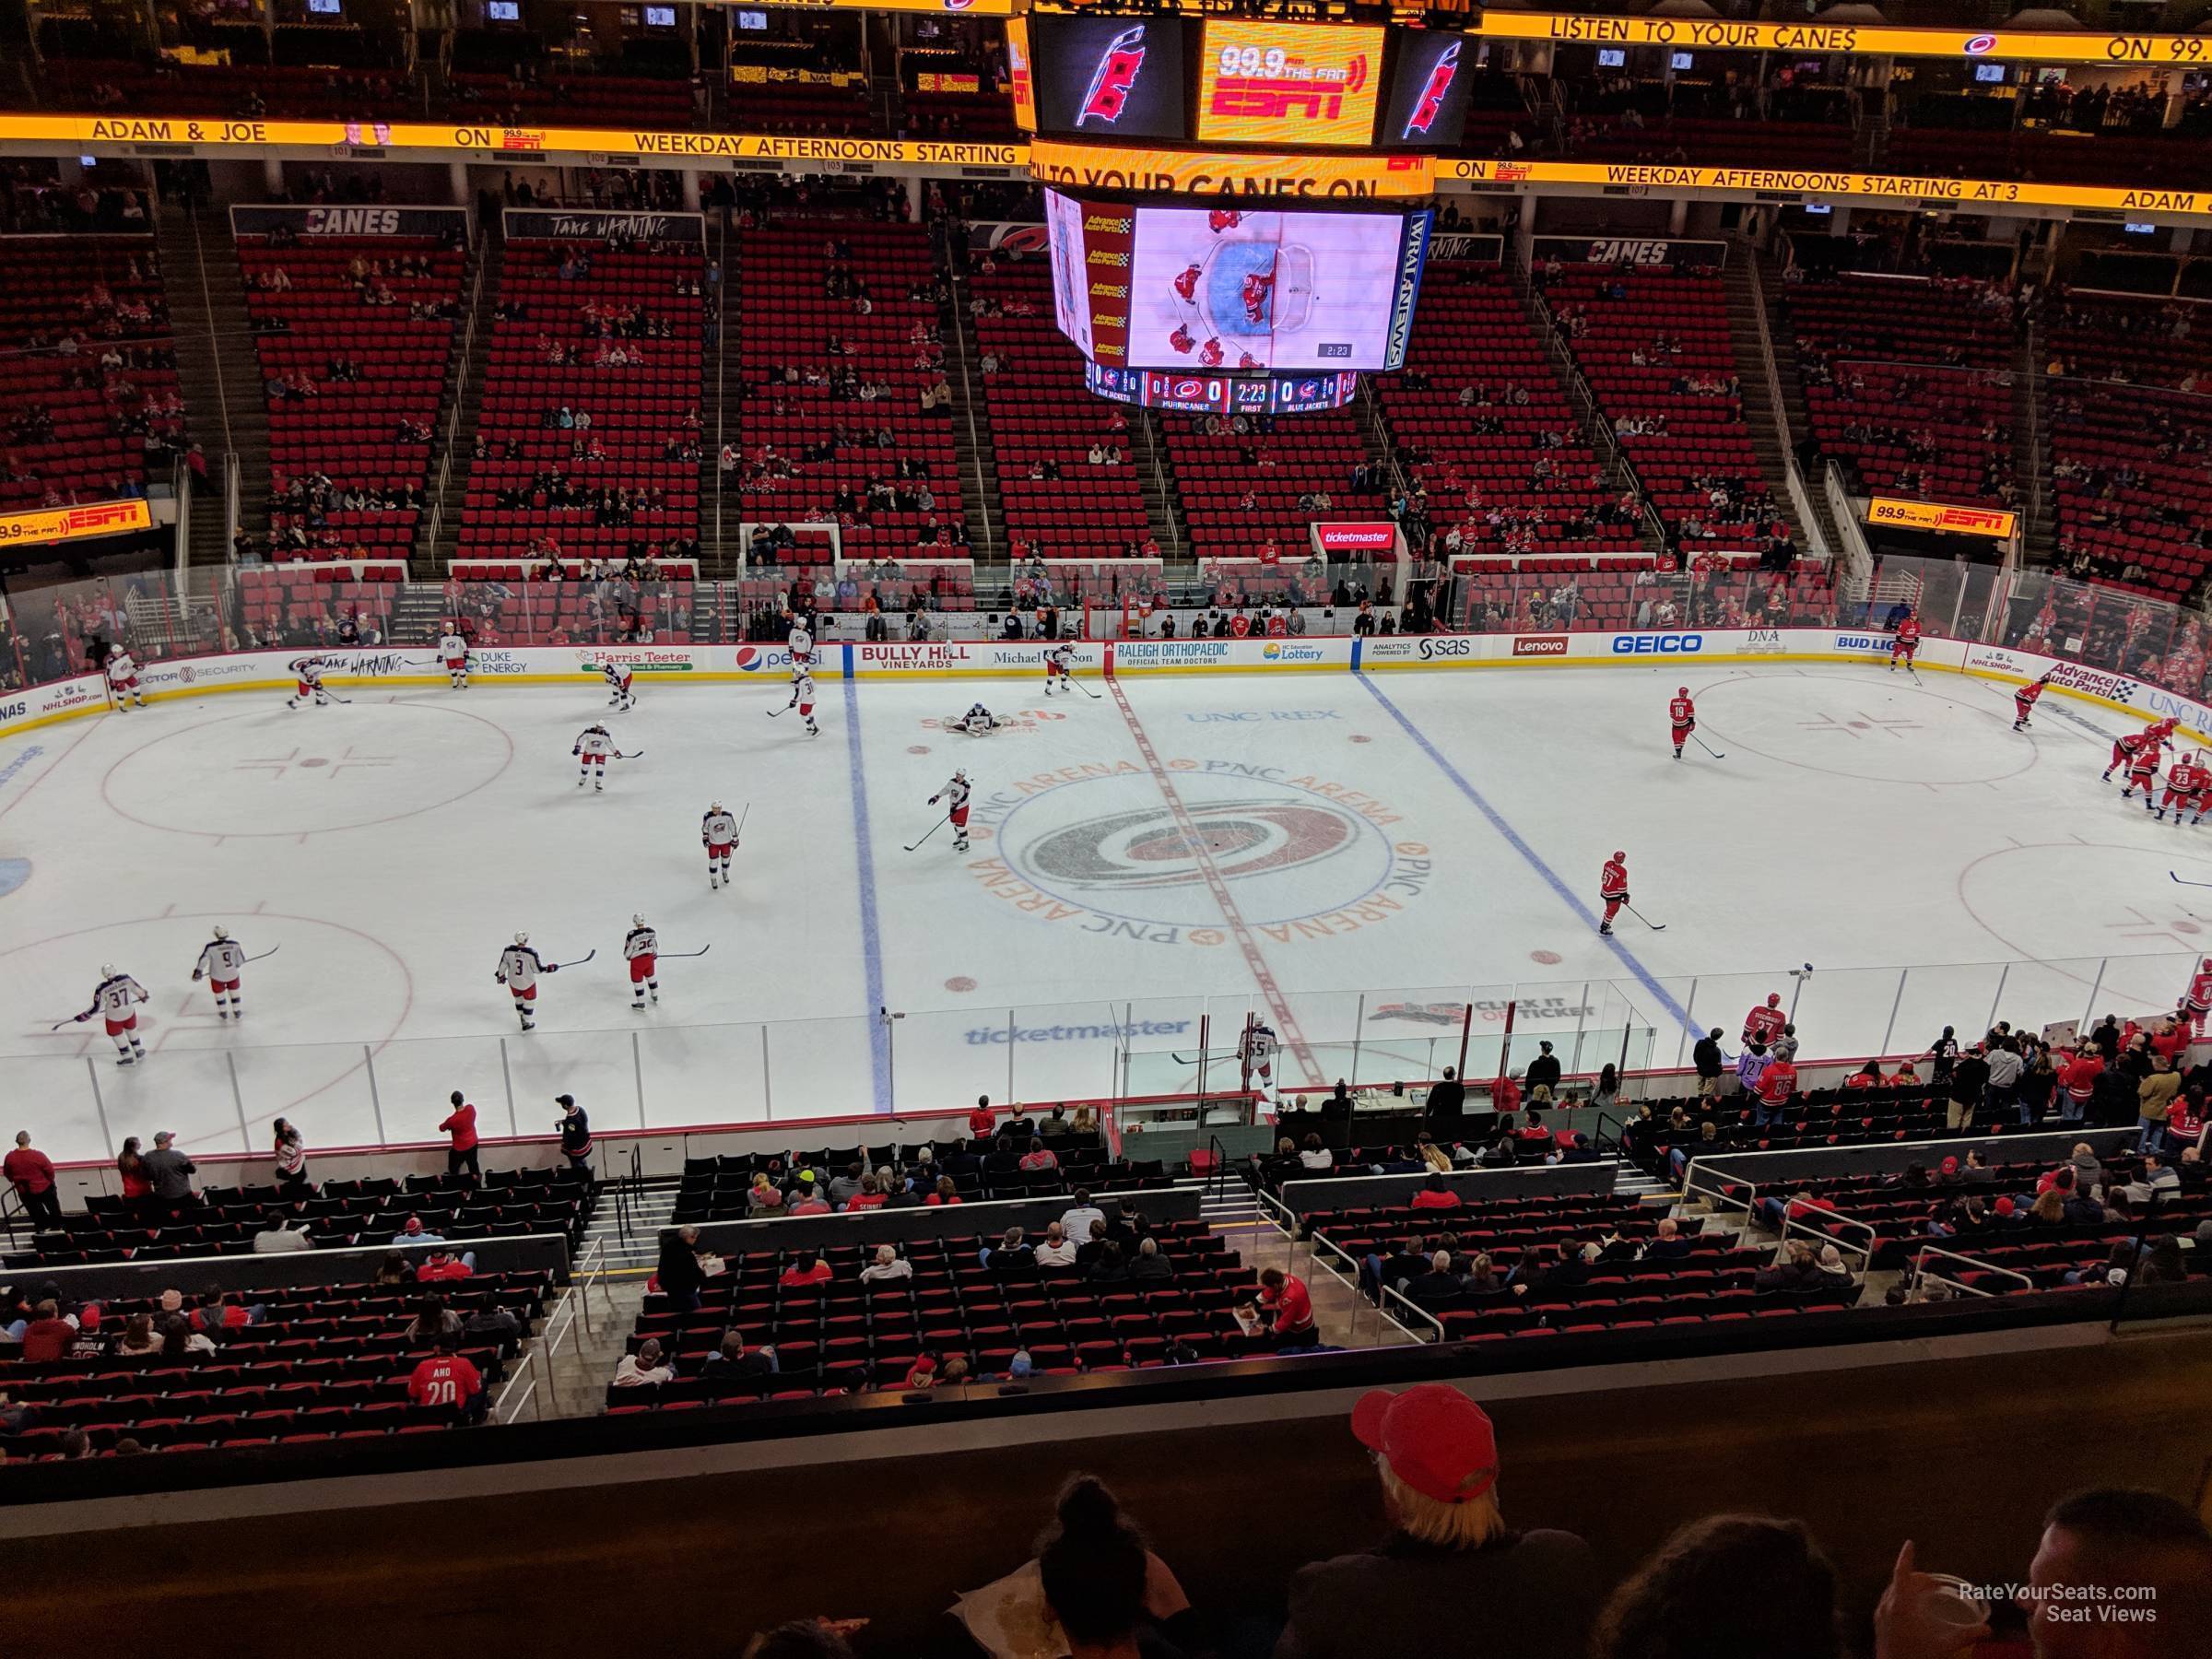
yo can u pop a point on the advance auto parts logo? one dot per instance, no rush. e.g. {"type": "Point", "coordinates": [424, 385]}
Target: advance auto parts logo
{"type": "Point", "coordinates": [1094, 846]}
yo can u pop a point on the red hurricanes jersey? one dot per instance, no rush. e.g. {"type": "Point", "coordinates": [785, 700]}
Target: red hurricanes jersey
{"type": "Point", "coordinates": [1765, 1023]}
{"type": "Point", "coordinates": [2030, 691]}
{"type": "Point", "coordinates": [2200, 988]}
{"type": "Point", "coordinates": [1681, 711]}
{"type": "Point", "coordinates": [1614, 881]}
{"type": "Point", "coordinates": [1908, 631]}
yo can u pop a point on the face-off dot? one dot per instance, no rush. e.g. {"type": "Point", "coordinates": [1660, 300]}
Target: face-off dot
{"type": "Point", "coordinates": [1548, 957]}
{"type": "Point", "coordinates": [959, 982]}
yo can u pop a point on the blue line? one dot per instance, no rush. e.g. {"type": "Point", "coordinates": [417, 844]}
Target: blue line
{"type": "Point", "coordinates": [871, 930]}
{"type": "Point", "coordinates": [1535, 861]}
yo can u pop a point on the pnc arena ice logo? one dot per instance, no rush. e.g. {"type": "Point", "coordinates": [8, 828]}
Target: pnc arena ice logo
{"type": "Point", "coordinates": [1113, 78]}
{"type": "Point", "coordinates": [1151, 848]}
{"type": "Point", "coordinates": [1658, 644]}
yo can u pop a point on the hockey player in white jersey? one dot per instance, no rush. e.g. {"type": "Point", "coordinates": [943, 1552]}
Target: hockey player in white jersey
{"type": "Point", "coordinates": [643, 946]}
{"type": "Point", "coordinates": [801, 699]}
{"type": "Point", "coordinates": [595, 748]}
{"type": "Point", "coordinates": [976, 722]}
{"type": "Point", "coordinates": [518, 970]}
{"type": "Point", "coordinates": [1256, 1048]}
{"type": "Point", "coordinates": [123, 679]}
{"type": "Point", "coordinates": [1058, 660]}
{"type": "Point", "coordinates": [802, 649]}
{"type": "Point", "coordinates": [112, 1000]}
{"type": "Point", "coordinates": [718, 834]}
{"type": "Point", "coordinates": [618, 696]}
{"type": "Point", "coordinates": [955, 796]}
{"type": "Point", "coordinates": [307, 674]}
{"type": "Point", "coordinates": [453, 650]}
{"type": "Point", "coordinates": [220, 964]}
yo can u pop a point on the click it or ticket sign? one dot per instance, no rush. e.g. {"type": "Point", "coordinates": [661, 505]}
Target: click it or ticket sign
{"type": "Point", "coordinates": [1289, 83]}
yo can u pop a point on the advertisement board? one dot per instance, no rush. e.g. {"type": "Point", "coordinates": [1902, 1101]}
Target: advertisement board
{"type": "Point", "coordinates": [1020, 81]}
{"type": "Point", "coordinates": [1628, 249]}
{"type": "Point", "coordinates": [1248, 291]}
{"type": "Point", "coordinates": [1714, 34]}
{"type": "Point", "coordinates": [1289, 83]}
{"type": "Point", "coordinates": [1991, 521]}
{"type": "Point", "coordinates": [1108, 77]}
{"type": "Point", "coordinates": [1375, 535]}
{"type": "Point", "coordinates": [587, 224]}
{"type": "Point", "coordinates": [1092, 246]}
{"type": "Point", "coordinates": [81, 522]}
{"type": "Point", "coordinates": [1240, 172]}
{"type": "Point", "coordinates": [259, 220]}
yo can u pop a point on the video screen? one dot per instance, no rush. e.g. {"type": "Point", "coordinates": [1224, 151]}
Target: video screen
{"type": "Point", "coordinates": [1019, 75]}
{"type": "Point", "coordinates": [1250, 292]}
{"type": "Point", "coordinates": [1428, 91]}
{"type": "Point", "coordinates": [1064, 236]}
{"type": "Point", "coordinates": [1109, 77]}
{"type": "Point", "coordinates": [1289, 83]}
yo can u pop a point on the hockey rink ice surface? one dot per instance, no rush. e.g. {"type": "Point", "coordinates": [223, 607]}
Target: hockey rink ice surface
{"type": "Point", "coordinates": [1357, 856]}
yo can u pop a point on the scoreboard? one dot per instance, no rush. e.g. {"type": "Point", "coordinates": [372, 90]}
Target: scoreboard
{"type": "Point", "coordinates": [1289, 83]}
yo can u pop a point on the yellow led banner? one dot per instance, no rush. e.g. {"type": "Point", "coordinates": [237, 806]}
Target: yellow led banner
{"type": "Point", "coordinates": [1107, 167]}
{"type": "Point", "coordinates": [1991, 521]}
{"type": "Point", "coordinates": [74, 523]}
{"type": "Point", "coordinates": [1018, 73]}
{"type": "Point", "coordinates": [1709, 34]}
{"type": "Point", "coordinates": [1820, 184]}
{"type": "Point", "coordinates": [1289, 83]}
{"type": "Point", "coordinates": [971, 8]}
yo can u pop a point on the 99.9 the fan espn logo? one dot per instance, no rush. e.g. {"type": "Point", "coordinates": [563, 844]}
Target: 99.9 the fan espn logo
{"type": "Point", "coordinates": [1294, 88]}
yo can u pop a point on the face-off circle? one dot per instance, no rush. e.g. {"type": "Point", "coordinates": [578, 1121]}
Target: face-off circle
{"type": "Point", "coordinates": [1289, 851]}
{"type": "Point", "coordinates": [1878, 727]}
{"type": "Point", "coordinates": [259, 774]}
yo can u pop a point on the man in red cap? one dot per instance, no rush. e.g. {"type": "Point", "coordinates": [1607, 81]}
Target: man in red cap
{"type": "Point", "coordinates": [1451, 1581]}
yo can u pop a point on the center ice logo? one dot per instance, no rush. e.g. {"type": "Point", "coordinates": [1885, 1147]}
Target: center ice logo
{"type": "Point", "coordinates": [1293, 855]}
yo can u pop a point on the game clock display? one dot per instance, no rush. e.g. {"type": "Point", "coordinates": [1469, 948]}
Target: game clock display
{"type": "Point", "coordinates": [1223, 393]}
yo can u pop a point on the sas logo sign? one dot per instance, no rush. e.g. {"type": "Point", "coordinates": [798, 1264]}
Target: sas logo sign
{"type": "Point", "coordinates": [1659, 644]}
{"type": "Point", "coordinates": [1444, 648]}
{"type": "Point", "coordinates": [1542, 645]}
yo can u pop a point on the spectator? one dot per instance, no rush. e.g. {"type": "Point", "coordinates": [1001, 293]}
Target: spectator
{"type": "Point", "coordinates": [1711, 1064]}
{"type": "Point", "coordinates": [460, 1123]}
{"type": "Point", "coordinates": [50, 1334]}
{"type": "Point", "coordinates": [179, 1341]}
{"type": "Point", "coordinates": [922, 1375]}
{"type": "Point", "coordinates": [733, 1363]}
{"type": "Point", "coordinates": [2001, 1092]}
{"type": "Point", "coordinates": [764, 1197]}
{"type": "Point", "coordinates": [1057, 1249]}
{"type": "Point", "coordinates": [1542, 1075]}
{"type": "Point", "coordinates": [1284, 1294]}
{"type": "Point", "coordinates": [1009, 1254]}
{"type": "Point", "coordinates": [2154, 1101]}
{"type": "Point", "coordinates": [575, 1126]}
{"type": "Point", "coordinates": [1076, 1219]}
{"type": "Point", "coordinates": [1669, 1245]}
{"type": "Point", "coordinates": [30, 1173]}
{"type": "Point", "coordinates": [1744, 1586]}
{"type": "Point", "coordinates": [138, 1186]}
{"type": "Point", "coordinates": [171, 1172]}
{"type": "Point", "coordinates": [1434, 1194]}
{"type": "Point", "coordinates": [449, 1382]}
{"type": "Point", "coordinates": [1432, 1290]}
{"type": "Point", "coordinates": [644, 1369]}
{"type": "Point", "coordinates": [983, 1120]}
{"type": "Point", "coordinates": [289, 1150]}
{"type": "Point", "coordinates": [679, 1271]}
{"type": "Point", "coordinates": [800, 1274]}
{"type": "Point", "coordinates": [443, 1264]}
{"type": "Point", "coordinates": [1040, 1159]}
{"type": "Point", "coordinates": [870, 1196]}
{"type": "Point", "coordinates": [432, 1319]}
{"type": "Point", "coordinates": [1148, 1264]}
{"type": "Point", "coordinates": [137, 1340]}
{"type": "Point", "coordinates": [1102, 1583]}
{"type": "Point", "coordinates": [887, 1267]}
{"type": "Point", "coordinates": [805, 1200]}
{"type": "Point", "coordinates": [1776, 1084]}
{"type": "Point", "coordinates": [844, 1188]}
{"type": "Point", "coordinates": [1313, 1155]}
{"type": "Point", "coordinates": [1110, 1266]}
{"type": "Point", "coordinates": [1446, 1106]}
{"type": "Point", "coordinates": [945, 1193]}
{"type": "Point", "coordinates": [1798, 1273]}
{"type": "Point", "coordinates": [415, 1232]}
{"type": "Point", "coordinates": [1451, 1581]}
{"type": "Point", "coordinates": [2116, 1546]}
{"type": "Point", "coordinates": [277, 1233]}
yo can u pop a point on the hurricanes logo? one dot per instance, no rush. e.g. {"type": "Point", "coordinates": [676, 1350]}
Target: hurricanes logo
{"type": "Point", "coordinates": [1151, 849]}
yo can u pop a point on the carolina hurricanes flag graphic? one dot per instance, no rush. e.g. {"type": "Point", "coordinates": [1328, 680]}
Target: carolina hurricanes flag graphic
{"type": "Point", "coordinates": [1115, 79]}
{"type": "Point", "coordinates": [1430, 103]}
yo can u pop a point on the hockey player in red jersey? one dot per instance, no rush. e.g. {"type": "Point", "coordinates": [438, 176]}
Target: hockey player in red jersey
{"type": "Point", "coordinates": [1223, 219]}
{"type": "Point", "coordinates": [2185, 790]}
{"type": "Point", "coordinates": [2196, 1002]}
{"type": "Point", "coordinates": [1613, 888]}
{"type": "Point", "coordinates": [1210, 354]}
{"type": "Point", "coordinates": [1905, 642]}
{"type": "Point", "coordinates": [2128, 745]}
{"type": "Point", "coordinates": [1181, 339]}
{"type": "Point", "coordinates": [2023, 702]}
{"type": "Point", "coordinates": [2143, 770]}
{"type": "Point", "coordinates": [1187, 284]}
{"type": "Point", "coordinates": [1258, 288]}
{"type": "Point", "coordinates": [1764, 1023]}
{"type": "Point", "coordinates": [1682, 714]}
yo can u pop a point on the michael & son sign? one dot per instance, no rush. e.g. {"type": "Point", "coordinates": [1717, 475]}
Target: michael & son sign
{"type": "Point", "coordinates": [730, 666]}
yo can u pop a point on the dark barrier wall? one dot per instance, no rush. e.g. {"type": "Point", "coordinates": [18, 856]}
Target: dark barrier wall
{"type": "Point", "coordinates": [1234, 1505]}
{"type": "Point", "coordinates": [1380, 1192]}
{"type": "Point", "coordinates": [1889, 1158]}
{"type": "Point", "coordinates": [871, 1228]}
{"type": "Point", "coordinates": [276, 1271]}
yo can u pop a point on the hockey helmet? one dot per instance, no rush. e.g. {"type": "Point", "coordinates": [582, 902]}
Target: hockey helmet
{"type": "Point", "coordinates": [637, 920]}
{"type": "Point", "coordinates": [714, 805]}
{"type": "Point", "coordinates": [522, 938]}
{"type": "Point", "coordinates": [107, 970]}
{"type": "Point", "coordinates": [1619, 855]}
{"type": "Point", "coordinates": [221, 932]}
{"type": "Point", "coordinates": [960, 777]}
{"type": "Point", "coordinates": [1681, 690]}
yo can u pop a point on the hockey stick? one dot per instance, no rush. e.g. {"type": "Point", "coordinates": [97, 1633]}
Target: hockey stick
{"type": "Point", "coordinates": [264, 955]}
{"type": "Point", "coordinates": [1087, 691]}
{"type": "Point", "coordinates": [701, 951]}
{"type": "Point", "coordinates": [743, 813]}
{"type": "Point", "coordinates": [787, 708]}
{"type": "Point", "coordinates": [633, 755]}
{"type": "Point", "coordinates": [73, 1019]}
{"type": "Point", "coordinates": [580, 960]}
{"type": "Point", "coordinates": [932, 831]}
{"type": "Point", "coordinates": [1655, 926]}
{"type": "Point", "coordinates": [1716, 754]}
{"type": "Point", "coordinates": [2177, 877]}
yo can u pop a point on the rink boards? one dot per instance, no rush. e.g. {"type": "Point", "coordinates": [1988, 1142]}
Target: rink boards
{"type": "Point", "coordinates": [726, 664]}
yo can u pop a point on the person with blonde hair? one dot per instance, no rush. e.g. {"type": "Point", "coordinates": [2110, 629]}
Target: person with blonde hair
{"type": "Point", "coordinates": [1451, 1581]}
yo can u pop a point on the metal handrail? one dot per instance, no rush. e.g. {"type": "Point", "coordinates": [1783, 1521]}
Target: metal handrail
{"type": "Point", "coordinates": [1792, 1224]}
{"type": "Point", "coordinates": [1391, 1293]}
{"type": "Point", "coordinates": [1714, 1196]}
{"type": "Point", "coordinates": [501, 1412]}
{"type": "Point", "coordinates": [1921, 1273]}
{"type": "Point", "coordinates": [975, 443]}
{"type": "Point", "coordinates": [452, 421]}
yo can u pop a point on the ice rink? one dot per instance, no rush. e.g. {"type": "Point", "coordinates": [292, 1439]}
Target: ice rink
{"type": "Point", "coordinates": [1359, 857]}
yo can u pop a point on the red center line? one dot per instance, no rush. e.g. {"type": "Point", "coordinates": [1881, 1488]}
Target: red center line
{"type": "Point", "coordinates": [1286, 1022]}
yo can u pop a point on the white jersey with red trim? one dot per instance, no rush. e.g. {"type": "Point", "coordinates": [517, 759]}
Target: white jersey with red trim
{"type": "Point", "coordinates": [616, 675]}
{"type": "Point", "coordinates": [519, 968]}
{"type": "Point", "coordinates": [802, 687]}
{"type": "Point", "coordinates": [121, 671]}
{"type": "Point", "coordinates": [718, 830]}
{"type": "Point", "coordinates": [221, 960]}
{"type": "Point", "coordinates": [1061, 657]}
{"type": "Point", "coordinates": [642, 942]}
{"type": "Point", "coordinates": [595, 742]}
{"type": "Point", "coordinates": [308, 671]}
{"type": "Point", "coordinates": [113, 997]}
{"type": "Point", "coordinates": [801, 652]}
{"type": "Point", "coordinates": [454, 649]}
{"type": "Point", "coordinates": [954, 795]}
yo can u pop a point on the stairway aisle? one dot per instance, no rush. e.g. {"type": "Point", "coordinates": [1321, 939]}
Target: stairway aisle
{"type": "Point", "coordinates": [218, 370]}
{"type": "Point", "coordinates": [1750, 343]}
{"type": "Point", "coordinates": [655, 1204]}
{"type": "Point", "coordinates": [1793, 420]}
{"type": "Point", "coordinates": [464, 374]}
